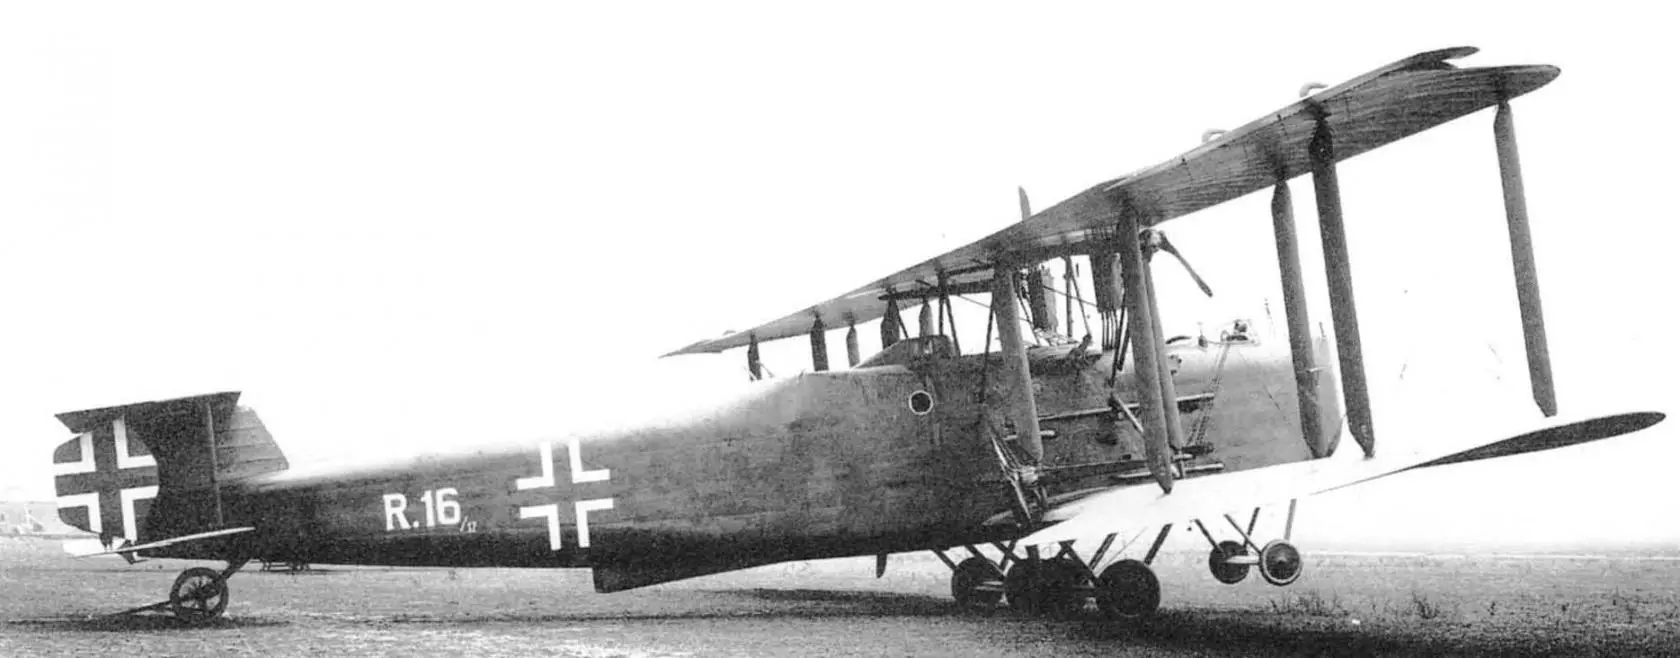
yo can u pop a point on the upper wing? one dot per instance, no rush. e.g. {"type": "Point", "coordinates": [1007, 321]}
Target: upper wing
{"type": "Point", "coordinates": [1382, 106]}
{"type": "Point", "coordinates": [1211, 495]}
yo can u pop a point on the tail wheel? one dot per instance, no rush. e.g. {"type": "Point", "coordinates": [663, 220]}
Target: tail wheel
{"type": "Point", "coordinates": [1128, 588]}
{"type": "Point", "coordinates": [1219, 562]}
{"type": "Point", "coordinates": [199, 595]}
{"type": "Point", "coordinates": [1280, 562]}
{"type": "Point", "coordinates": [975, 584]}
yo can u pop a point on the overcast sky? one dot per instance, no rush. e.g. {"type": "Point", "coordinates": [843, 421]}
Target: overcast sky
{"type": "Point", "coordinates": [406, 223]}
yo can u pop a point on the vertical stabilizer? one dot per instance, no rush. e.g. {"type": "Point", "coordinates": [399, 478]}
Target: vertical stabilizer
{"type": "Point", "coordinates": [151, 470]}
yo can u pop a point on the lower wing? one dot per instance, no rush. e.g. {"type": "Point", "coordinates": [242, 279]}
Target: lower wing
{"type": "Point", "coordinates": [1208, 496]}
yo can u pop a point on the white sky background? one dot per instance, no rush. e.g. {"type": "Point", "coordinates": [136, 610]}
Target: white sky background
{"type": "Point", "coordinates": [396, 224]}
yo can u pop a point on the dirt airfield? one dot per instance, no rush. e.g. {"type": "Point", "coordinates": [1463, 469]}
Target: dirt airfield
{"type": "Point", "coordinates": [51, 604]}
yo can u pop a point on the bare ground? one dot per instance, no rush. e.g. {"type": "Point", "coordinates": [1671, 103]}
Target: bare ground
{"type": "Point", "coordinates": [51, 604]}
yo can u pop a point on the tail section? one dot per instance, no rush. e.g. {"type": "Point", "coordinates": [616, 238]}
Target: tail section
{"type": "Point", "coordinates": [153, 470]}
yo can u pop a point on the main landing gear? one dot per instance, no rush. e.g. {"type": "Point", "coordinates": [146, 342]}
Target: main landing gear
{"type": "Point", "coordinates": [1126, 588]}
{"type": "Point", "coordinates": [200, 594]}
{"type": "Point", "coordinates": [1229, 561]}
{"type": "Point", "coordinates": [1059, 585]}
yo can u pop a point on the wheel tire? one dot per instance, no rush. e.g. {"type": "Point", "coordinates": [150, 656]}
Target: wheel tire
{"type": "Point", "coordinates": [1128, 588]}
{"type": "Point", "coordinates": [966, 580]}
{"type": "Point", "coordinates": [1219, 562]}
{"type": "Point", "coordinates": [1280, 562]}
{"type": "Point", "coordinates": [1064, 592]}
{"type": "Point", "coordinates": [1018, 589]}
{"type": "Point", "coordinates": [199, 595]}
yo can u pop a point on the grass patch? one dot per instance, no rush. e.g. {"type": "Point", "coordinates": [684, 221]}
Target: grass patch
{"type": "Point", "coordinates": [1426, 607]}
{"type": "Point", "coordinates": [1309, 603]}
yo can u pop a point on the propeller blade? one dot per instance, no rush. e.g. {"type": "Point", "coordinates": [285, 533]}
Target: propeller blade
{"type": "Point", "coordinates": [1167, 246]}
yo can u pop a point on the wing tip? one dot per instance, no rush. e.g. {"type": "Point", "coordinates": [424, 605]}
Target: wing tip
{"type": "Point", "coordinates": [1561, 435]}
{"type": "Point", "coordinates": [700, 347]}
{"type": "Point", "coordinates": [1518, 80]}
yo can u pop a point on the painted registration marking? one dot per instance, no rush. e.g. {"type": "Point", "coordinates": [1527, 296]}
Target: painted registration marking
{"type": "Point", "coordinates": [440, 510]}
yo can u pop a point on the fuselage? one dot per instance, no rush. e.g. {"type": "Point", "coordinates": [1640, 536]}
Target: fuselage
{"type": "Point", "coordinates": [816, 465]}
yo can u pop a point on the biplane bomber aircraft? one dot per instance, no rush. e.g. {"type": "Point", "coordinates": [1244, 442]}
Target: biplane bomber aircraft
{"type": "Point", "coordinates": [1029, 449]}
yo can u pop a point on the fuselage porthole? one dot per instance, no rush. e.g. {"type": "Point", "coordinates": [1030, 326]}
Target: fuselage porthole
{"type": "Point", "coordinates": [921, 402]}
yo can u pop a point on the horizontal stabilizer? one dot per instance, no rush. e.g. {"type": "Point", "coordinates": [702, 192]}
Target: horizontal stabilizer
{"type": "Point", "coordinates": [85, 547]}
{"type": "Point", "coordinates": [1211, 496]}
{"type": "Point", "coordinates": [168, 542]}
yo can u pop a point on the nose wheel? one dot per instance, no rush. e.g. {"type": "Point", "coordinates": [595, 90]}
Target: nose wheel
{"type": "Point", "coordinates": [1280, 562]}
{"type": "Point", "coordinates": [1229, 561]}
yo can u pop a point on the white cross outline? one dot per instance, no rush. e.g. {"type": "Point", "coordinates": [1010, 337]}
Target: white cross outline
{"type": "Point", "coordinates": [119, 431]}
{"type": "Point", "coordinates": [91, 502]}
{"type": "Point", "coordinates": [545, 454]}
{"type": "Point", "coordinates": [551, 511]}
{"type": "Point", "coordinates": [85, 439]}
{"type": "Point", "coordinates": [583, 508]}
{"type": "Point", "coordinates": [131, 529]}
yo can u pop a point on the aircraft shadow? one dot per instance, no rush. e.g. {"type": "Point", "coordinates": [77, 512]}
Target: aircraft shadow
{"type": "Point", "coordinates": [299, 574]}
{"type": "Point", "coordinates": [851, 603]}
{"type": "Point", "coordinates": [120, 623]}
{"type": "Point", "coordinates": [1200, 631]}
{"type": "Point", "coordinates": [791, 604]}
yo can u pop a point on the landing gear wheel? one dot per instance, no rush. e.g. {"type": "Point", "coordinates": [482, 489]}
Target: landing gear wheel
{"type": "Point", "coordinates": [199, 595]}
{"type": "Point", "coordinates": [975, 584]}
{"type": "Point", "coordinates": [1128, 588]}
{"type": "Point", "coordinates": [1219, 562]}
{"type": "Point", "coordinates": [1018, 586]}
{"type": "Point", "coordinates": [1064, 592]}
{"type": "Point", "coordinates": [1280, 563]}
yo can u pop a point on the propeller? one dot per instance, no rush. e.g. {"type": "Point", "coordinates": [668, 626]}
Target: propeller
{"type": "Point", "coordinates": [1154, 239]}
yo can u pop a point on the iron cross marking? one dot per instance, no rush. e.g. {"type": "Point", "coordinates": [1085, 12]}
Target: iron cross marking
{"type": "Point", "coordinates": [551, 511]}
{"type": "Point", "coordinates": [107, 477]}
